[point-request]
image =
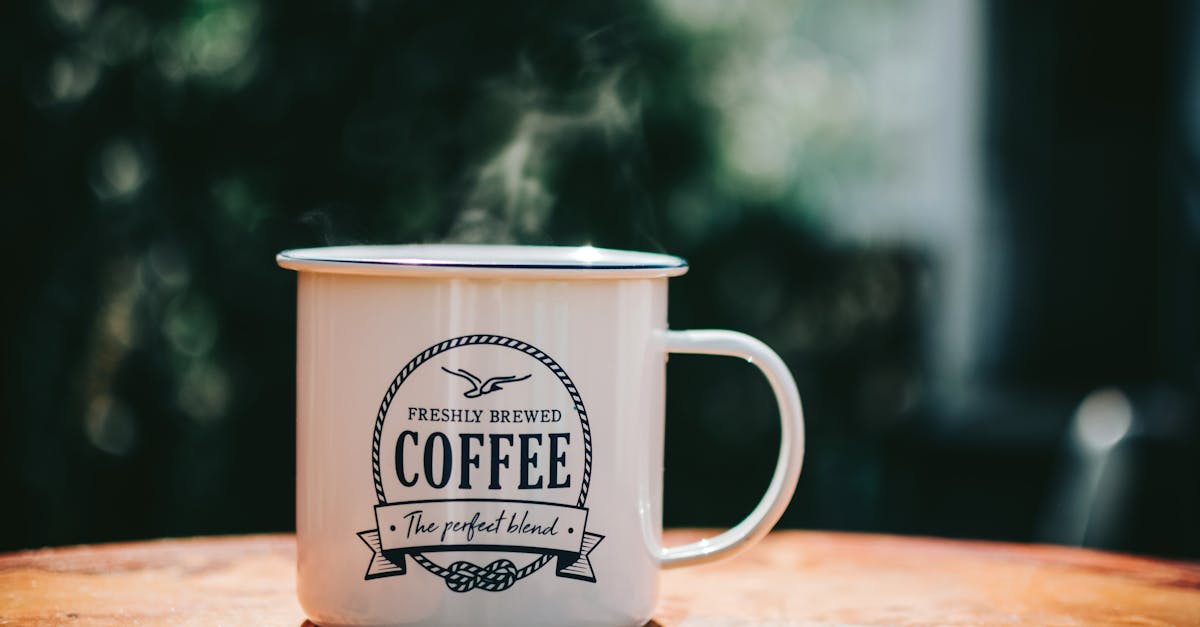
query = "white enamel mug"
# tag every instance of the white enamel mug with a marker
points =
(480, 434)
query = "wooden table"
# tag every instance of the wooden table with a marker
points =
(792, 578)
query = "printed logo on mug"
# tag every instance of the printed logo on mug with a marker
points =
(480, 434)
(473, 449)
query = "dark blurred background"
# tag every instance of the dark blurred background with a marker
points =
(971, 229)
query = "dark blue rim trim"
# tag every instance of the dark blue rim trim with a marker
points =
(497, 266)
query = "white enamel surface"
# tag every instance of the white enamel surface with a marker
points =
(357, 332)
(791, 444)
(485, 261)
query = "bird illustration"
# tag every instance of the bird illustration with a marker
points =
(479, 388)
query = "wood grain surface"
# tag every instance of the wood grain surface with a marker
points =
(791, 578)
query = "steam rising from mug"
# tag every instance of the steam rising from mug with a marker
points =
(511, 199)
(505, 194)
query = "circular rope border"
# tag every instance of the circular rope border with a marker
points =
(488, 340)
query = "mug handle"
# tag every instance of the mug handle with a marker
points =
(791, 445)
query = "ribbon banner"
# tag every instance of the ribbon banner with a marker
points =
(416, 527)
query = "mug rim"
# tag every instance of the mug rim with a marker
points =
(482, 260)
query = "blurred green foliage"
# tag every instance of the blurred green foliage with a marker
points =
(164, 152)
(169, 150)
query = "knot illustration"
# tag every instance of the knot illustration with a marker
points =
(499, 575)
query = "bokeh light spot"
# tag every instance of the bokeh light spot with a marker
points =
(120, 171)
(215, 42)
(73, 14)
(120, 34)
(190, 324)
(1103, 419)
(71, 78)
(110, 426)
(169, 264)
(204, 391)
